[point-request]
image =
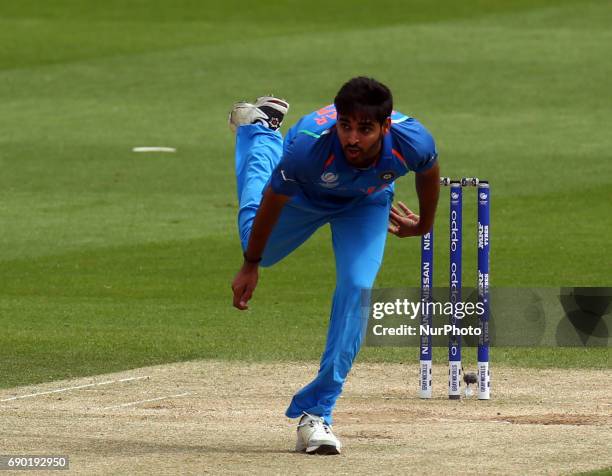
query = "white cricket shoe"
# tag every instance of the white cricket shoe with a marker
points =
(267, 111)
(314, 436)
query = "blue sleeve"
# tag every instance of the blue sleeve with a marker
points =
(416, 144)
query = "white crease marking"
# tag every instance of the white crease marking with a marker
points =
(66, 389)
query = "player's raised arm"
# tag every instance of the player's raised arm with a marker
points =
(428, 190)
(246, 280)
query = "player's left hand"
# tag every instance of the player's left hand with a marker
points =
(403, 223)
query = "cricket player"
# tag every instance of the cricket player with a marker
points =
(336, 166)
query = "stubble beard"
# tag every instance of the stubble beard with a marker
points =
(370, 156)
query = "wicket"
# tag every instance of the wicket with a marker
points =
(455, 284)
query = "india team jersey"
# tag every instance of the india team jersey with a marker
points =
(313, 163)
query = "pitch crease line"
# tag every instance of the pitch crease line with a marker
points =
(77, 387)
(148, 400)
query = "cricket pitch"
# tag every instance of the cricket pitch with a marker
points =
(228, 417)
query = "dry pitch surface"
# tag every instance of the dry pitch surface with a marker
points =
(220, 417)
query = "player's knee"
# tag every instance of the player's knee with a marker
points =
(358, 273)
(355, 281)
(266, 263)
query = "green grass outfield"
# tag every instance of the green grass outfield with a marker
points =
(111, 259)
(597, 472)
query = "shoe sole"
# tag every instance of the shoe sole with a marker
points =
(323, 450)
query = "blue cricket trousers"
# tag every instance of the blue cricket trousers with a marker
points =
(358, 231)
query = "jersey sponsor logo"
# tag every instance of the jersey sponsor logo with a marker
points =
(387, 176)
(329, 180)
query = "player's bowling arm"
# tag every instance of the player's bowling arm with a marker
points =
(267, 215)
(428, 190)
(245, 282)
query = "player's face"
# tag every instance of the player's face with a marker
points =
(361, 139)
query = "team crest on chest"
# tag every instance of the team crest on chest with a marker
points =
(329, 180)
(387, 176)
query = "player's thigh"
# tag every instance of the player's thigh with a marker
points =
(295, 225)
(359, 236)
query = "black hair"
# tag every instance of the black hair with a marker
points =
(363, 96)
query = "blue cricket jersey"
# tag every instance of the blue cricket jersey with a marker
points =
(313, 163)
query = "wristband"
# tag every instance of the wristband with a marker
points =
(252, 261)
